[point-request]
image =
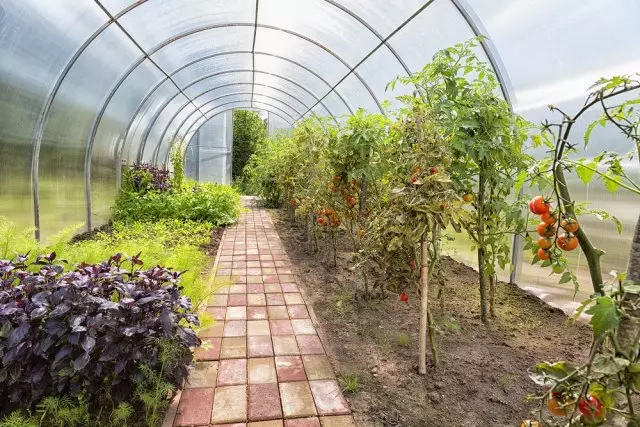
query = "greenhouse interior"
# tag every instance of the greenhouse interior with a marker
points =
(319, 213)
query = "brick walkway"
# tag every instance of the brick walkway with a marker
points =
(263, 364)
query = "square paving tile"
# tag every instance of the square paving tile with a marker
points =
(303, 327)
(222, 289)
(262, 370)
(298, 312)
(281, 327)
(239, 279)
(236, 313)
(309, 344)
(293, 298)
(302, 422)
(255, 288)
(272, 288)
(254, 279)
(257, 313)
(219, 300)
(290, 368)
(318, 367)
(203, 375)
(229, 404)
(232, 372)
(238, 289)
(275, 299)
(235, 328)
(290, 287)
(195, 407)
(209, 349)
(278, 312)
(268, 270)
(339, 421)
(258, 327)
(270, 278)
(233, 348)
(237, 300)
(285, 345)
(218, 313)
(271, 423)
(264, 402)
(297, 400)
(259, 346)
(256, 299)
(213, 331)
(254, 271)
(328, 397)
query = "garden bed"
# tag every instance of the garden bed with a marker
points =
(482, 377)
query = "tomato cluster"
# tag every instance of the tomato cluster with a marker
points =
(328, 217)
(547, 229)
(590, 407)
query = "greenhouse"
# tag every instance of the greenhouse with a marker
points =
(319, 213)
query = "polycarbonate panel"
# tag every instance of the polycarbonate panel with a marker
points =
(219, 92)
(191, 126)
(34, 48)
(322, 22)
(439, 26)
(151, 106)
(155, 21)
(292, 71)
(270, 105)
(115, 6)
(356, 95)
(384, 15)
(319, 111)
(334, 103)
(211, 65)
(378, 70)
(62, 154)
(205, 83)
(204, 43)
(276, 124)
(162, 146)
(282, 96)
(153, 131)
(565, 51)
(306, 53)
(298, 88)
(110, 138)
(278, 104)
(210, 150)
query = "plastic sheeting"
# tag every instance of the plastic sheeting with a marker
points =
(87, 85)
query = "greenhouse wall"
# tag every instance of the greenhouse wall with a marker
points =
(209, 153)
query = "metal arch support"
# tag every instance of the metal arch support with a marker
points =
(164, 133)
(157, 149)
(253, 50)
(475, 23)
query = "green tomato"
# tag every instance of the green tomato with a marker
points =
(558, 268)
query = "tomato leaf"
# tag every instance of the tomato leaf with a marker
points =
(607, 365)
(605, 316)
(566, 277)
(586, 171)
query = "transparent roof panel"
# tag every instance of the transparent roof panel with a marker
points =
(305, 52)
(282, 105)
(321, 21)
(205, 83)
(288, 85)
(384, 15)
(283, 96)
(155, 21)
(565, 51)
(198, 45)
(291, 68)
(213, 64)
(357, 95)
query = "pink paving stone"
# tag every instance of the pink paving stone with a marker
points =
(309, 344)
(229, 404)
(275, 299)
(218, 313)
(278, 312)
(237, 300)
(298, 312)
(290, 287)
(223, 272)
(281, 327)
(281, 263)
(226, 258)
(254, 271)
(222, 289)
(302, 422)
(290, 368)
(266, 258)
(235, 328)
(268, 270)
(258, 328)
(231, 425)
(268, 264)
(272, 288)
(239, 279)
(253, 257)
(236, 313)
(270, 279)
(285, 345)
(254, 279)
(264, 402)
(238, 289)
(240, 264)
(209, 350)
(303, 327)
(284, 271)
(239, 272)
(256, 299)
(253, 264)
(328, 397)
(257, 313)
(255, 288)
(224, 264)
(290, 298)
(270, 423)
(195, 407)
(213, 331)
(219, 300)
(265, 252)
(259, 346)
(232, 372)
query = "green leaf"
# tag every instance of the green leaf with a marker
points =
(587, 134)
(586, 171)
(566, 277)
(606, 316)
(618, 223)
(607, 365)
(610, 183)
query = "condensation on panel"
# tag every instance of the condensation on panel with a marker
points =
(62, 154)
(322, 22)
(209, 65)
(110, 136)
(34, 49)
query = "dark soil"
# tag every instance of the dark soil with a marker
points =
(482, 376)
(90, 235)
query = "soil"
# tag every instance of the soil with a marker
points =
(481, 379)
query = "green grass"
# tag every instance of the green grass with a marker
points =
(403, 340)
(350, 383)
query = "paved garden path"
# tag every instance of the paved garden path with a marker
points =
(262, 364)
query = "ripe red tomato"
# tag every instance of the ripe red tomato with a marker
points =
(468, 197)
(538, 205)
(546, 230)
(336, 178)
(543, 255)
(567, 242)
(404, 297)
(549, 218)
(545, 243)
(412, 264)
(351, 201)
(321, 221)
(592, 409)
(414, 179)
(328, 212)
(570, 225)
(554, 405)
(433, 170)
